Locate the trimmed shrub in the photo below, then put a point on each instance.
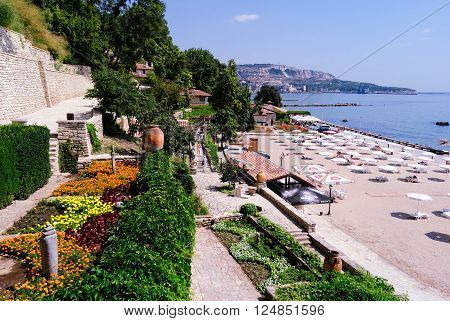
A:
(67, 158)
(26, 165)
(96, 143)
(248, 209)
(182, 174)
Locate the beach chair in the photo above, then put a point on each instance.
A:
(446, 212)
(382, 179)
(419, 215)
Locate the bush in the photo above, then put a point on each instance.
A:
(96, 143)
(26, 165)
(248, 209)
(67, 158)
(148, 254)
(182, 174)
(340, 287)
(6, 15)
(212, 150)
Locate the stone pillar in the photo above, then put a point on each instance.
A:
(49, 252)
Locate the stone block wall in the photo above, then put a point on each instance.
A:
(76, 132)
(21, 89)
(29, 80)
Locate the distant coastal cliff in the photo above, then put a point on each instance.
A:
(290, 79)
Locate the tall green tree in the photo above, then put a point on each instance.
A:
(204, 68)
(231, 103)
(268, 94)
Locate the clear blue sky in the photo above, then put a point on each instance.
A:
(323, 35)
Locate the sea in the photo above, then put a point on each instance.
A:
(409, 118)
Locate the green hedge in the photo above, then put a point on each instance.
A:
(340, 287)
(96, 143)
(148, 255)
(26, 165)
(212, 151)
(67, 158)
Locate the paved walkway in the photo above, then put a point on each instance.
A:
(216, 276)
(49, 116)
(18, 209)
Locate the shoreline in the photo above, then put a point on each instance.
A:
(388, 139)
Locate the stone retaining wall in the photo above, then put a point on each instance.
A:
(29, 79)
(76, 132)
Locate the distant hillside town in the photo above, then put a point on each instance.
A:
(292, 80)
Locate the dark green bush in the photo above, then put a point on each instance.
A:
(248, 209)
(6, 15)
(340, 287)
(67, 158)
(182, 174)
(9, 175)
(26, 165)
(96, 143)
(148, 254)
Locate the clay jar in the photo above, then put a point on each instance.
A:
(261, 177)
(153, 138)
(332, 262)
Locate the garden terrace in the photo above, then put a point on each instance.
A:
(273, 259)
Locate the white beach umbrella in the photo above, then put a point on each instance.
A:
(357, 168)
(388, 150)
(311, 169)
(339, 160)
(379, 155)
(419, 198)
(330, 179)
(428, 154)
(369, 160)
(426, 159)
(420, 166)
(388, 169)
(406, 155)
(396, 160)
(307, 144)
(326, 144)
(326, 154)
(353, 153)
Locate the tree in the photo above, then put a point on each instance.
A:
(231, 103)
(268, 94)
(204, 68)
(230, 174)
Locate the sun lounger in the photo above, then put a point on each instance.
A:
(446, 212)
(410, 179)
(381, 179)
(419, 215)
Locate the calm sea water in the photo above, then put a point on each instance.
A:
(405, 117)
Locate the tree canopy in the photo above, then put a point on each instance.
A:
(204, 68)
(268, 94)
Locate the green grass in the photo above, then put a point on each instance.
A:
(29, 20)
(299, 112)
(226, 189)
(198, 112)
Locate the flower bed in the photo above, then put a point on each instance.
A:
(74, 260)
(148, 255)
(71, 212)
(298, 284)
(98, 177)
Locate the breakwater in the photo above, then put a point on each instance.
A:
(323, 105)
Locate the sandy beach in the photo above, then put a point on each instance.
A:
(376, 214)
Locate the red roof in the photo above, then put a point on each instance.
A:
(255, 163)
(198, 93)
(143, 67)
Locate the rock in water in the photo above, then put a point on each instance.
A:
(442, 123)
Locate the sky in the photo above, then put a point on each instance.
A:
(323, 35)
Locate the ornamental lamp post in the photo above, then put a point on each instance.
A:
(331, 199)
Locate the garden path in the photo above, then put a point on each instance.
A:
(216, 276)
(19, 208)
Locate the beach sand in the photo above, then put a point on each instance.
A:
(375, 213)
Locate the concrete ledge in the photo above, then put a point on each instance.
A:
(289, 210)
(323, 246)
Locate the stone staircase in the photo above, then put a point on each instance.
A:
(301, 237)
(54, 153)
